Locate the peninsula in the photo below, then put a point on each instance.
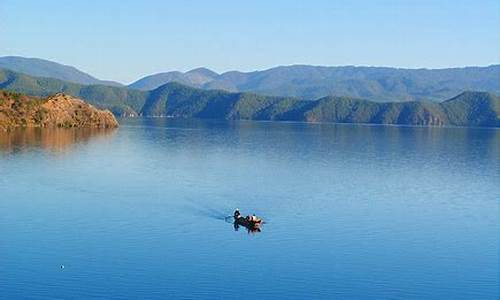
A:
(60, 110)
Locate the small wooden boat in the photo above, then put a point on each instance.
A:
(250, 224)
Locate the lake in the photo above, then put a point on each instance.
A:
(352, 211)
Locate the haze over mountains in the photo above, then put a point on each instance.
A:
(45, 68)
(378, 84)
(195, 78)
(312, 82)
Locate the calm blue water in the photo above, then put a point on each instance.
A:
(352, 212)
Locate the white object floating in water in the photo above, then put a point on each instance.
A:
(62, 266)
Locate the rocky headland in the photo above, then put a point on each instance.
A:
(59, 110)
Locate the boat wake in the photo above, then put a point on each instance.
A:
(203, 210)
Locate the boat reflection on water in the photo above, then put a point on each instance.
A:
(56, 140)
(251, 227)
(238, 223)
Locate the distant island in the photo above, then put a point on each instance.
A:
(59, 110)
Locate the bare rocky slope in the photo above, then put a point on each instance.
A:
(59, 110)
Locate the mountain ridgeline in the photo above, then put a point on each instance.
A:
(378, 84)
(45, 68)
(180, 101)
(195, 78)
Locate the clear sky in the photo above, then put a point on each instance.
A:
(124, 40)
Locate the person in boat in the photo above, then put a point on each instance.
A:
(237, 214)
(252, 218)
(249, 219)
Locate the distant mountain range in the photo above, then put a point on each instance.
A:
(181, 101)
(378, 84)
(45, 68)
(195, 78)
(313, 82)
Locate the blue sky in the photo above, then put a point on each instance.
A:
(124, 40)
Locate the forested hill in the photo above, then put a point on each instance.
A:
(466, 109)
(120, 100)
(180, 101)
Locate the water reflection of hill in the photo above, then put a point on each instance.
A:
(50, 139)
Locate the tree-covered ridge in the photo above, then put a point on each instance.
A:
(180, 101)
(467, 109)
(120, 100)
